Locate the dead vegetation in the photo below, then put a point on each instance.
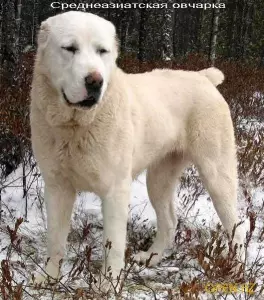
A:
(196, 264)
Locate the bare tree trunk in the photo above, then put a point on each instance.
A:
(18, 23)
(199, 26)
(175, 34)
(262, 57)
(185, 44)
(232, 28)
(239, 38)
(0, 205)
(10, 38)
(181, 35)
(246, 28)
(243, 6)
(35, 21)
(142, 35)
(1, 34)
(124, 36)
(214, 33)
(251, 20)
(125, 22)
(24, 183)
(167, 33)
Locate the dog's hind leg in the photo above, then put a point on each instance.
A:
(221, 184)
(214, 154)
(161, 182)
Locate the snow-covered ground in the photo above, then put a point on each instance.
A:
(193, 215)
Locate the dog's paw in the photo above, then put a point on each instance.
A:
(105, 286)
(42, 280)
(38, 280)
(99, 286)
(150, 259)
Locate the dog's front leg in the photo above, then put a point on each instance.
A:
(59, 198)
(115, 214)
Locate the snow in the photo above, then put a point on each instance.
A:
(201, 214)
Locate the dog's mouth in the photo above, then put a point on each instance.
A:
(84, 104)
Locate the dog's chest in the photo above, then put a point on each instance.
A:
(81, 161)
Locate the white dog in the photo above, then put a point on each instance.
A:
(95, 128)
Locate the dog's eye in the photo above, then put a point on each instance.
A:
(102, 51)
(71, 48)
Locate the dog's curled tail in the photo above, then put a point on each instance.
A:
(214, 75)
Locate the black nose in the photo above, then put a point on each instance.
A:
(93, 81)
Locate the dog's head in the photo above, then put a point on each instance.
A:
(77, 52)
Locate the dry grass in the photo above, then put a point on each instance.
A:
(191, 245)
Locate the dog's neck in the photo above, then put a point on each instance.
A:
(49, 101)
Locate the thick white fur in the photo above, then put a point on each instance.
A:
(160, 121)
(214, 75)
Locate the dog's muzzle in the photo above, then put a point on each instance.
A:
(88, 102)
(93, 85)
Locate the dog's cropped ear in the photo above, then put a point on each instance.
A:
(43, 34)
